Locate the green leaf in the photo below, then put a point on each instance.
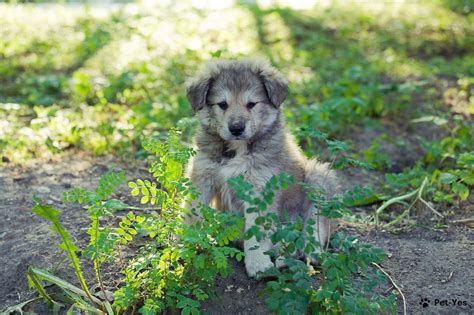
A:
(461, 190)
(447, 178)
(466, 176)
(300, 243)
(114, 204)
(466, 159)
(41, 274)
(120, 231)
(108, 183)
(131, 216)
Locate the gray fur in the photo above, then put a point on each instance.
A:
(264, 149)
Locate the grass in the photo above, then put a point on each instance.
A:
(98, 79)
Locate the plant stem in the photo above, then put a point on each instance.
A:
(401, 216)
(393, 201)
(97, 255)
(418, 192)
(77, 268)
(143, 208)
(99, 278)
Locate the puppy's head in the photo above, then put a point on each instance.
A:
(237, 99)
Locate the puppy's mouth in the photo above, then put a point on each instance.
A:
(241, 137)
(227, 136)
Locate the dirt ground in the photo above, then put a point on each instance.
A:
(430, 266)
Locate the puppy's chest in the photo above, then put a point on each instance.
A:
(235, 166)
(238, 159)
(254, 167)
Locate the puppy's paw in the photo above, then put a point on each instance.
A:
(311, 257)
(256, 262)
(280, 263)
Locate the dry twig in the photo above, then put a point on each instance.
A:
(420, 192)
(395, 285)
(467, 220)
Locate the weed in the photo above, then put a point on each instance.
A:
(175, 268)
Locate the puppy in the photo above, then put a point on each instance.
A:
(242, 132)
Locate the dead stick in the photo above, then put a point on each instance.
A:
(468, 220)
(420, 193)
(395, 285)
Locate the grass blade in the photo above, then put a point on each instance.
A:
(34, 282)
(18, 307)
(51, 214)
(44, 275)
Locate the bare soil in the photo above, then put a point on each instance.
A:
(427, 263)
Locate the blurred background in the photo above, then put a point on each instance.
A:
(394, 79)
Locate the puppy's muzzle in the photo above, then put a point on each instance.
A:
(236, 129)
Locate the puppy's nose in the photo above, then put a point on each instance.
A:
(236, 129)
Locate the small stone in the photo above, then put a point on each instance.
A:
(43, 190)
(109, 295)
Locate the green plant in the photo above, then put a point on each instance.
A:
(347, 276)
(375, 157)
(178, 267)
(447, 164)
(177, 264)
(101, 242)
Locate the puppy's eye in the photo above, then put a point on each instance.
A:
(251, 105)
(223, 105)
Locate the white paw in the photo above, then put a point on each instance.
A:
(256, 261)
(312, 260)
(280, 262)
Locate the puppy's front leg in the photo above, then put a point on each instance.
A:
(205, 198)
(255, 259)
(203, 179)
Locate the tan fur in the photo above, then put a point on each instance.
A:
(263, 149)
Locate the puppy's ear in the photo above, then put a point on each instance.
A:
(197, 90)
(275, 84)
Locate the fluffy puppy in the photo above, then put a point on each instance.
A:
(242, 132)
